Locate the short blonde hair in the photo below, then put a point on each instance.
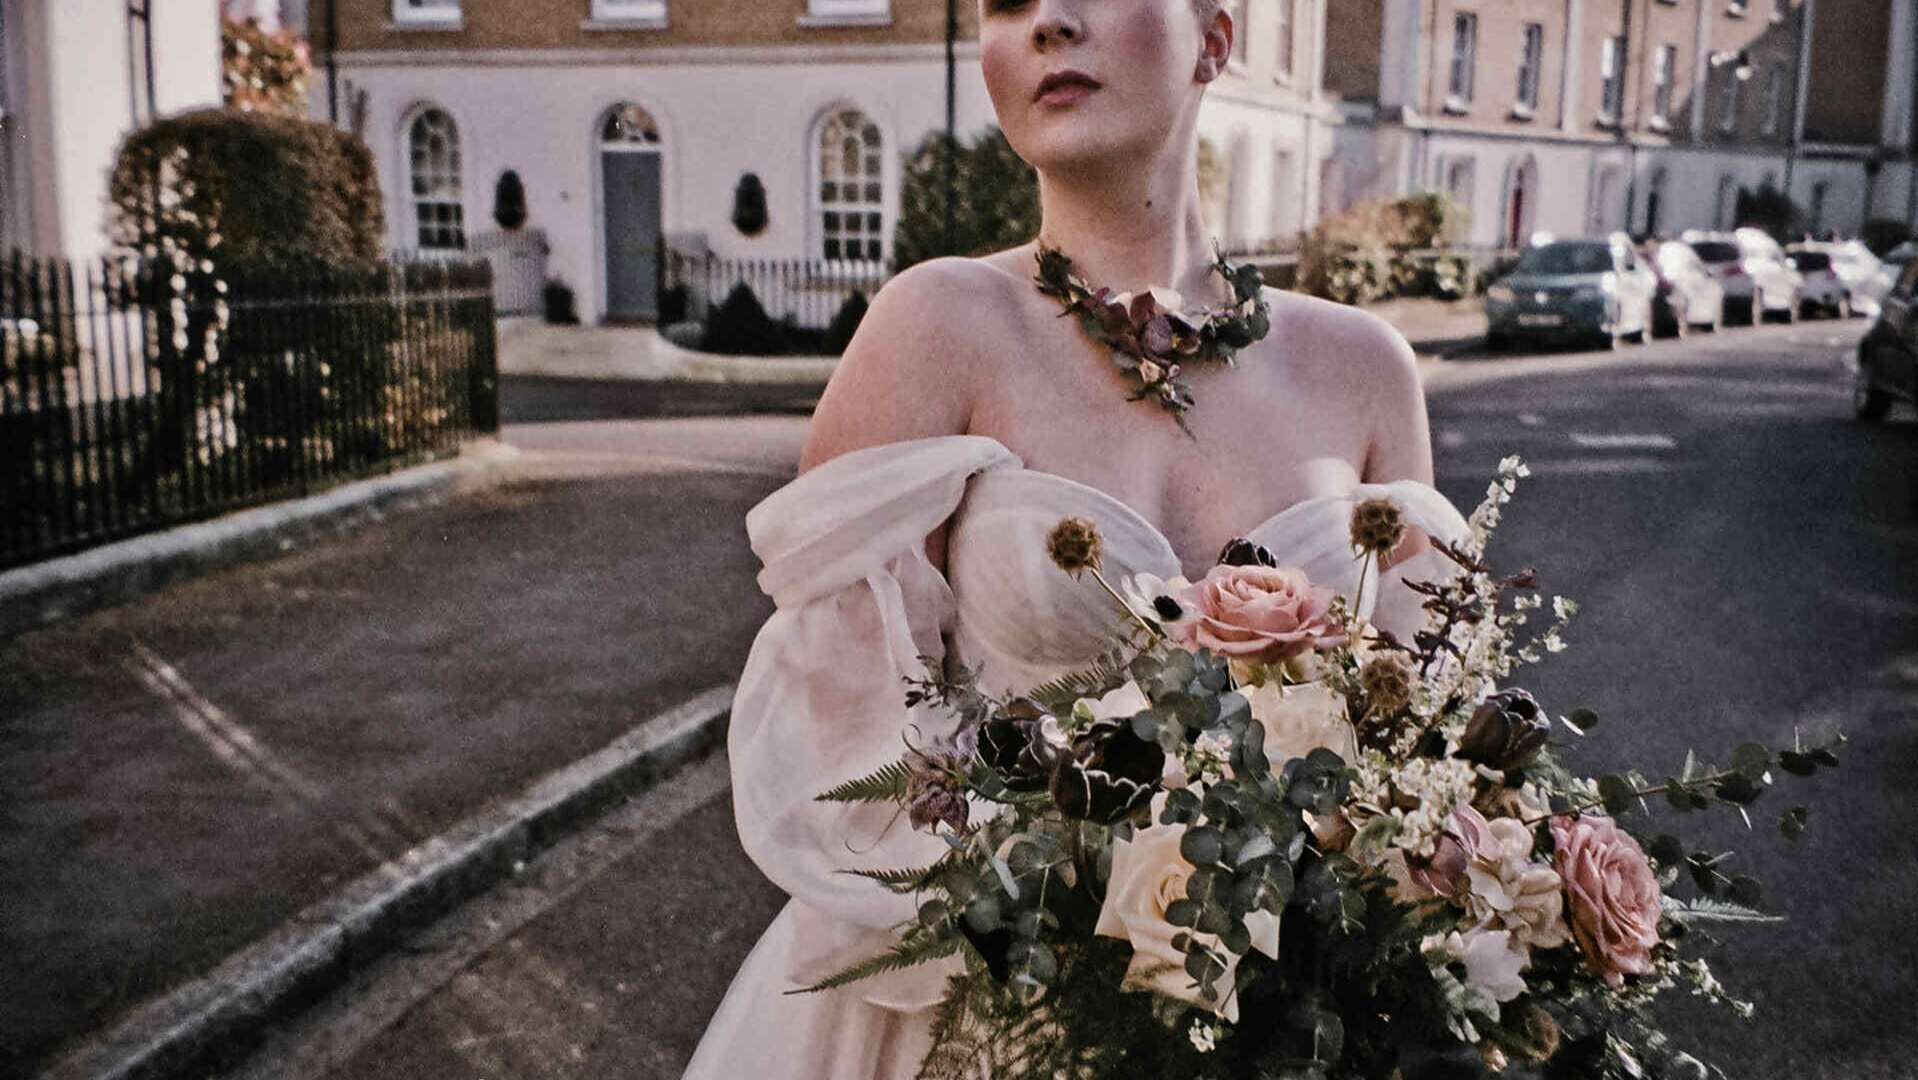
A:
(1206, 9)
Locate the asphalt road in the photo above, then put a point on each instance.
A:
(1743, 553)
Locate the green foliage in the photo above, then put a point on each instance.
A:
(262, 71)
(1769, 209)
(845, 324)
(885, 784)
(1364, 253)
(509, 200)
(918, 948)
(741, 327)
(995, 199)
(240, 187)
(1883, 234)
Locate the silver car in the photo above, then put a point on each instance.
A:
(1754, 284)
(1821, 288)
(1572, 290)
(1688, 295)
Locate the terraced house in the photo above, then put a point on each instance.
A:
(632, 122)
(1585, 116)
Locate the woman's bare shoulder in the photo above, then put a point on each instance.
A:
(913, 368)
(1341, 342)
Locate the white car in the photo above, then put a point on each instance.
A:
(1864, 276)
(1821, 289)
(1751, 267)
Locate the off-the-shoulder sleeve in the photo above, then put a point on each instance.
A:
(822, 699)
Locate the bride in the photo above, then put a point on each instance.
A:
(965, 418)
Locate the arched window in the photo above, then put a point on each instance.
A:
(1655, 202)
(852, 203)
(433, 149)
(629, 125)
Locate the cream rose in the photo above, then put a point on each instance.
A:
(1148, 874)
(1506, 890)
(1260, 613)
(1299, 719)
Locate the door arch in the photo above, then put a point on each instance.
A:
(630, 164)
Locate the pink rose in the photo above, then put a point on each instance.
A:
(1260, 613)
(1467, 837)
(1613, 895)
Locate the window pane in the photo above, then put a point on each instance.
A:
(832, 248)
(828, 191)
(872, 193)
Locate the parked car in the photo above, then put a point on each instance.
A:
(1688, 295)
(1888, 355)
(1820, 288)
(1572, 289)
(1860, 270)
(1755, 281)
(1889, 268)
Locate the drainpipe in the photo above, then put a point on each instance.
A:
(952, 138)
(1807, 18)
(332, 64)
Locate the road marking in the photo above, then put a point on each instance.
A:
(1601, 466)
(1527, 419)
(1624, 442)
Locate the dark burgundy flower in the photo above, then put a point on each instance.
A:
(1109, 773)
(1244, 552)
(1506, 731)
(1010, 742)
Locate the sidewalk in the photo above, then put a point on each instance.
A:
(528, 348)
(191, 772)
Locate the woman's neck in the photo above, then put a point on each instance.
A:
(1129, 230)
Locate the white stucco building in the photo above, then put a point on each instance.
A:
(631, 122)
(75, 77)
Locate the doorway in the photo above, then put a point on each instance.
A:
(630, 173)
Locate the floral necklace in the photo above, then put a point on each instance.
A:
(1151, 339)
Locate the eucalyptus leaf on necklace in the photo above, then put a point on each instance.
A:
(1152, 338)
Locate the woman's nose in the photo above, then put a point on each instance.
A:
(1055, 24)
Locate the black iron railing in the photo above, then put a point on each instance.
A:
(137, 394)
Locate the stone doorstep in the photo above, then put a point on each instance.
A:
(212, 1022)
(45, 592)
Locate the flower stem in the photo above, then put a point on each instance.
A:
(1127, 608)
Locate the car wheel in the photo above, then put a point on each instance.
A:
(1868, 403)
(1791, 311)
(1843, 307)
(1497, 342)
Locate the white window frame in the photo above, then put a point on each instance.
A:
(1531, 68)
(1664, 70)
(436, 14)
(847, 13)
(817, 177)
(1463, 73)
(457, 173)
(1611, 70)
(1283, 63)
(1774, 99)
(626, 15)
(1728, 102)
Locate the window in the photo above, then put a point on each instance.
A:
(852, 202)
(831, 11)
(630, 127)
(630, 11)
(1820, 192)
(1728, 103)
(1611, 67)
(1240, 39)
(1283, 30)
(1663, 63)
(1460, 176)
(1726, 204)
(1774, 98)
(429, 12)
(1284, 196)
(1530, 62)
(1464, 59)
(433, 152)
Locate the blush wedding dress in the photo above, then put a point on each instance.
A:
(821, 701)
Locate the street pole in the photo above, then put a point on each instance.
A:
(952, 110)
(332, 64)
(1801, 90)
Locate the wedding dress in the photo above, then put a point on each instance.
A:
(821, 700)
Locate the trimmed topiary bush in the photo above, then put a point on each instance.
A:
(509, 200)
(749, 205)
(559, 303)
(245, 187)
(741, 327)
(844, 324)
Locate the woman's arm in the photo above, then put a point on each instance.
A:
(906, 374)
(1399, 446)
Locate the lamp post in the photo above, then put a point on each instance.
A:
(952, 87)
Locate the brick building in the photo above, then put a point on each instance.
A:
(1585, 116)
(631, 122)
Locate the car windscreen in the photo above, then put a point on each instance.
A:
(1565, 259)
(1717, 251)
(1811, 260)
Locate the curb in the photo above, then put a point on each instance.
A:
(214, 1021)
(46, 592)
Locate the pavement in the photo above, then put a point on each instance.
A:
(414, 680)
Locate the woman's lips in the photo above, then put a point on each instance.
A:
(1067, 94)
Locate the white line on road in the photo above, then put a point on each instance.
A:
(1623, 441)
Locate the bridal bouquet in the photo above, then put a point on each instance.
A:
(1263, 838)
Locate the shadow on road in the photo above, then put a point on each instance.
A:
(535, 399)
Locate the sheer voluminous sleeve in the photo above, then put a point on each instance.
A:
(822, 698)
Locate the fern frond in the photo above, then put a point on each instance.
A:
(899, 881)
(1704, 909)
(887, 784)
(1103, 673)
(912, 952)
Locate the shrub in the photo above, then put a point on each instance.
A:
(741, 327)
(559, 303)
(509, 200)
(1769, 209)
(844, 324)
(995, 199)
(1883, 234)
(261, 71)
(1365, 253)
(749, 205)
(245, 187)
(673, 303)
